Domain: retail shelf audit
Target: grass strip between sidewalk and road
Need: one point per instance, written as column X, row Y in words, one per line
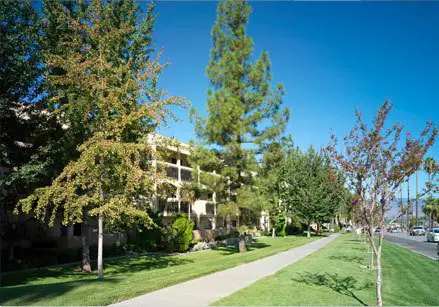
column 129, row 277
column 333, row 276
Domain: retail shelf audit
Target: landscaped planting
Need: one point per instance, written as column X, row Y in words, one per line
column 130, row 277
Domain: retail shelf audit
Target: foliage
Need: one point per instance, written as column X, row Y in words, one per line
column 150, row 238
column 375, row 165
column 330, row 277
column 281, row 225
column 245, row 112
column 242, row 230
column 178, row 236
column 109, row 84
column 336, row 228
column 312, row 186
column 148, row 273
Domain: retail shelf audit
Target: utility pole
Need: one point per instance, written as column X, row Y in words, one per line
column 408, row 204
column 417, row 208
column 401, row 205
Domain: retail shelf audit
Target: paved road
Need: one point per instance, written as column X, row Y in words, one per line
column 415, row 243
column 203, row 291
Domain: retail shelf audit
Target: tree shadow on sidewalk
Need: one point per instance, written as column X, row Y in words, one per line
column 343, row 285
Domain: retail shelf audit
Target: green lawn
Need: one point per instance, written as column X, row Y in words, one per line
column 129, row 277
column 332, row 276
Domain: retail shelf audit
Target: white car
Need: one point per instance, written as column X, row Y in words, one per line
column 433, row 235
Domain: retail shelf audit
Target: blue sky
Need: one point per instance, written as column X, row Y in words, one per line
column 331, row 57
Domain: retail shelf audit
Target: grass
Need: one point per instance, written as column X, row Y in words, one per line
column 129, row 277
column 332, row 276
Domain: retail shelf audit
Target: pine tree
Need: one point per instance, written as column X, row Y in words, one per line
column 244, row 112
column 109, row 84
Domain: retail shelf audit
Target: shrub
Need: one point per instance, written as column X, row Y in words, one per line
column 295, row 228
column 242, row 230
column 336, row 228
column 280, row 225
column 233, row 234
column 178, row 236
column 149, row 239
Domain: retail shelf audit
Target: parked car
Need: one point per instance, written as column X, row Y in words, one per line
column 378, row 229
column 417, row 231
column 433, row 235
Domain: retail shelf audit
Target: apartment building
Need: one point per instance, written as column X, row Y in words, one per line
column 204, row 210
column 178, row 171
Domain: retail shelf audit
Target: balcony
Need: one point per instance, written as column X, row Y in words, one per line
column 186, row 175
column 171, row 172
column 184, row 207
column 210, row 208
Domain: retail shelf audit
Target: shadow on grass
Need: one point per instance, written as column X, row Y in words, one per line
column 33, row 293
column 112, row 268
column 347, row 258
column 343, row 285
column 230, row 250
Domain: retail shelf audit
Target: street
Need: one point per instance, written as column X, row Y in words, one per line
column 416, row 243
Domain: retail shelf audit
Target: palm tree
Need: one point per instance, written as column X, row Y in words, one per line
column 431, row 208
column 190, row 192
column 430, row 167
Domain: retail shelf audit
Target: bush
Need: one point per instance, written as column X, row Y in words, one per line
column 336, row 228
column 233, row 234
column 178, row 236
column 149, row 239
column 295, row 228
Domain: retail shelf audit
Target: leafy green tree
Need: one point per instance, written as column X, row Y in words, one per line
column 312, row 187
column 30, row 137
column 121, row 106
column 244, row 112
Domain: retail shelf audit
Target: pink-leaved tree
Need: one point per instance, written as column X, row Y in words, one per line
column 376, row 162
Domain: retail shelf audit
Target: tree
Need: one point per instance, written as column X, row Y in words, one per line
column 121, row 105
column 375, row 165
column 431, row 208
column 190, row 192
column 244, row 112
column 312, row 187
column 30, row 137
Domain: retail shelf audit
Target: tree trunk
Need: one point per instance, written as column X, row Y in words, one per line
column 378, row 289
column 242, row 247
column 100, row 247
column 273, row 232
column 309, row 231
column 86, row 267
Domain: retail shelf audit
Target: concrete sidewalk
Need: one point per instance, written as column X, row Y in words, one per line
column 205, row 290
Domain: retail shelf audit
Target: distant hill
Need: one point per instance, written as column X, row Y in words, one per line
column 395, row 210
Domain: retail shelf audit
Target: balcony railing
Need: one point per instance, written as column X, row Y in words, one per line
column 172, row 172
column 186, row 175
column 184, row 207
column 210, row 209
column 172, row 207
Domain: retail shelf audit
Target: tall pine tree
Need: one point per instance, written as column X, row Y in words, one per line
column 245, row 113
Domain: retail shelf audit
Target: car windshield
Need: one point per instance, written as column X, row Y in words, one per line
column 418, row 227
column 436, row 230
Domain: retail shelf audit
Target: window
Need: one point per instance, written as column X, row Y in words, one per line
column 209, row 196
column 77, row 229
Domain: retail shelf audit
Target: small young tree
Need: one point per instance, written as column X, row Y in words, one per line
column 375, row 165
column 120, row 102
